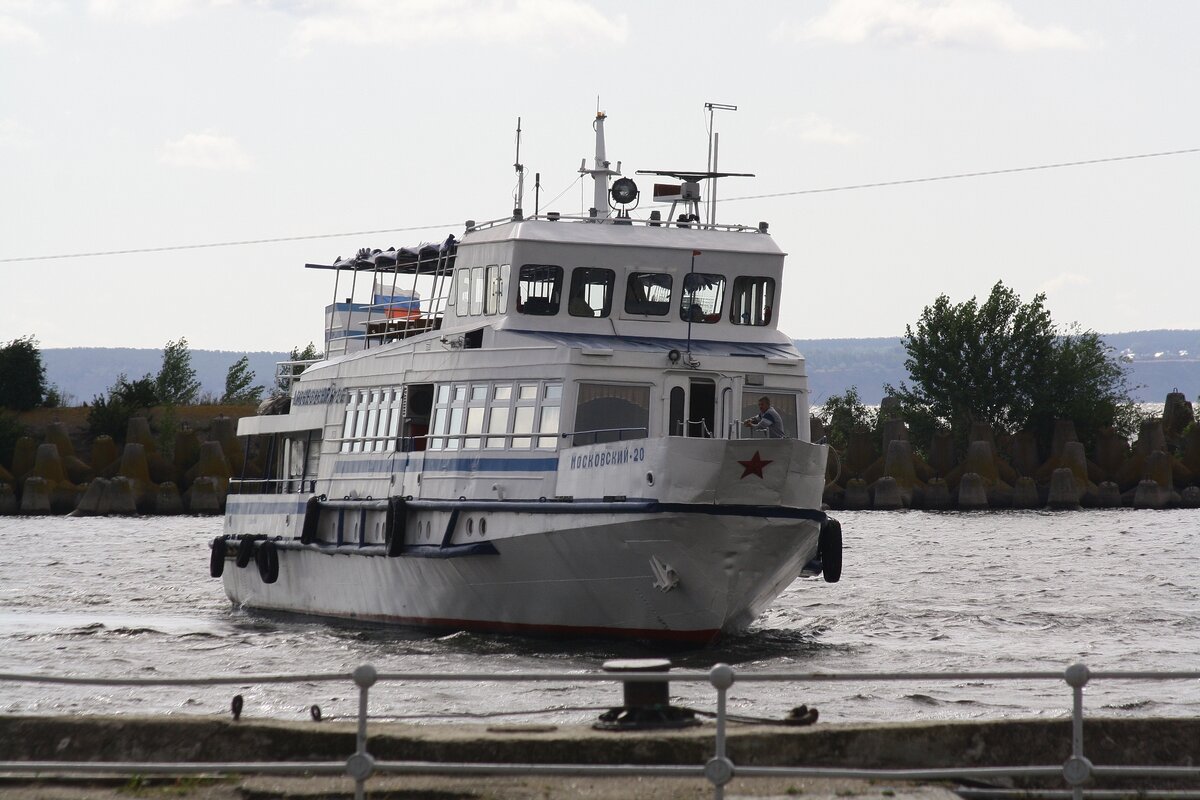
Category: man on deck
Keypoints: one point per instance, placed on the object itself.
(768, 420)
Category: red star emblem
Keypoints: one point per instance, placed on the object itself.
(754, 466)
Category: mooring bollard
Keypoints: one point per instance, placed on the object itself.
(647, 704)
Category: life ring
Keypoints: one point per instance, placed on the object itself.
(216, 560)
(829, 550)
(245, 551)
(267, 559)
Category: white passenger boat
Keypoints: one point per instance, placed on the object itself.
(538, 428)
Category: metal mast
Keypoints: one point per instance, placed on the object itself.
(600, 172)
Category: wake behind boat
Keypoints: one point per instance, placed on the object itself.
(540, 428)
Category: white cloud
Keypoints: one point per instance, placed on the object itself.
(1064, 280)
(14, 31)
(366, 22)
(959, 23)
(151, 12)
(14, 134)
(205, 151)
(814, 128)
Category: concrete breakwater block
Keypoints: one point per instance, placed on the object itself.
(972, 493)
(35, 496)
(204, 497)
(24, 454)
(1188, 498)
(168, 500)
(1149, 494)
(1064, 490)
(8, 499)
(90, 504)
(104, 453)
(936, 496)
(857, 496)
(120, 497)
(1108, 495)
(1025, 493)
(887, 495)
(48, 465)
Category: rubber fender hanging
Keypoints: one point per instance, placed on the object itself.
(829, 547)
(216, 560)
(245, 551)
(396, 523)
(312, 518)
(267, 559)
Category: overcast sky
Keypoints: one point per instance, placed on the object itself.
(171, 122)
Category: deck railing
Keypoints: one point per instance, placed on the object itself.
(360, 766)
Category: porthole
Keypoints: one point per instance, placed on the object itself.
(482, 527)
(470, 527)
(649, 478)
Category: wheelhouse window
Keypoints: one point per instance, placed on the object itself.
(539, 289)
(609, 413)
(648, 293)
(703, 293)
(476, 291)
(591, 292)
(753, 300)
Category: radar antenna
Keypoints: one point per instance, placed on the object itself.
(688, 192)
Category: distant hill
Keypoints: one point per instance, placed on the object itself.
(84, 372)
(1159, 361)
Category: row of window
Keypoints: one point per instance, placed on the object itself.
(523, 415)
(484, 291)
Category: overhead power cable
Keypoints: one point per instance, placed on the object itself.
(958, 175)
(229, 244)
(851, 187)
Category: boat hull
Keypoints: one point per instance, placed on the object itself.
(664, 575)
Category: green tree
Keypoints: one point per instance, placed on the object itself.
(22, 374)
(176, 382)
(843, 414)
(237, 383)
(109, 414)
(1004, 363)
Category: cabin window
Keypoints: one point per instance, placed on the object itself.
(491, 300)
(783, 402)
(475, 416)
(476, 291)
(702, 296)
(753, 300)
(591, 292)
(348, 428)
(539, 289)
(464, 292)
(503, 288)
(609, 413)
(373, 409)
(498, 415)
(648, 293)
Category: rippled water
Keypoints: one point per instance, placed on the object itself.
(920, 591)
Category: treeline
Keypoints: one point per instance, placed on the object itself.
(24, 387)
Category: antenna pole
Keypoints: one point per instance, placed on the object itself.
(711, 204)
(537, 193)
(520, 168)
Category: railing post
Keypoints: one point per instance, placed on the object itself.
(361, 765)
(1077, 768)
(719, 769)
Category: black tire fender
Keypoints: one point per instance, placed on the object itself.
(216, 560)
(829, 548)
(267, 559)
(395, 525)
(312, 518)
(245, 551)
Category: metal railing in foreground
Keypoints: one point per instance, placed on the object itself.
(718, 770)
